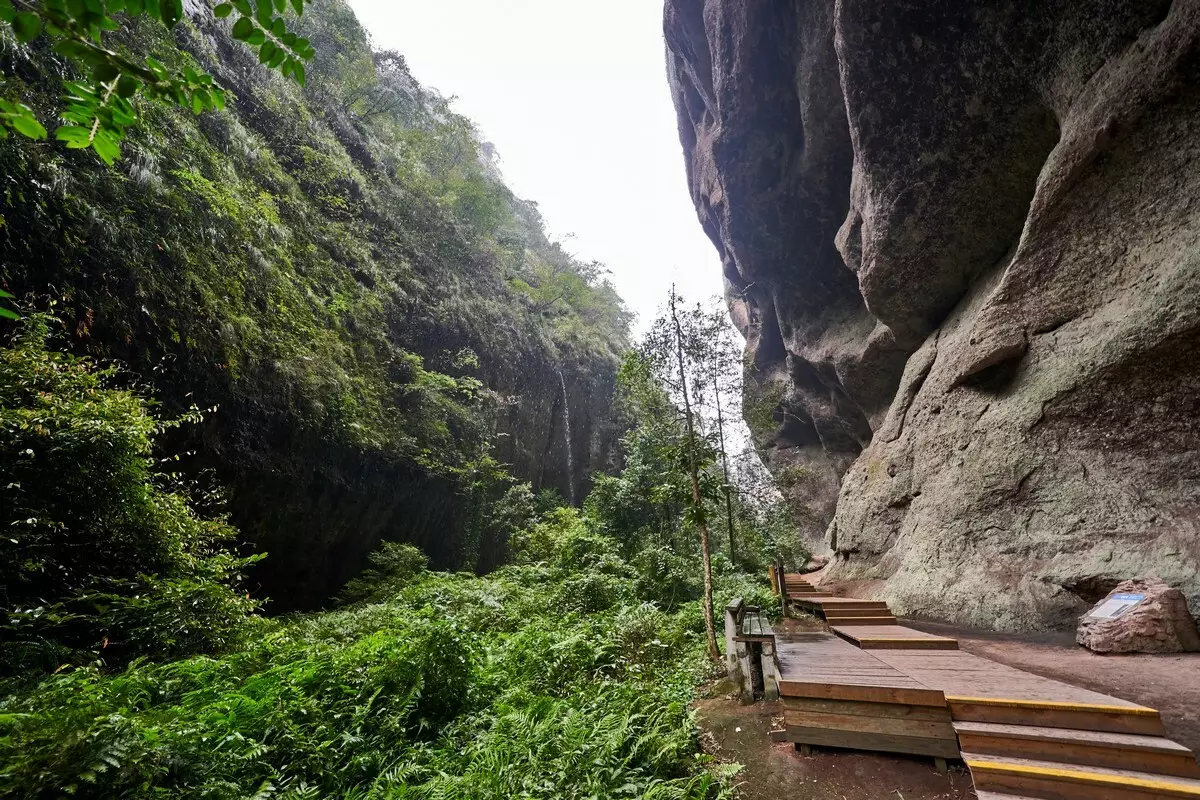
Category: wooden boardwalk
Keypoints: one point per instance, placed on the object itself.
(891, 688)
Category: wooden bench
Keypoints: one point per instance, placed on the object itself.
(750, 651)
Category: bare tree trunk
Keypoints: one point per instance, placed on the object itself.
(725, 472)
(710, 628)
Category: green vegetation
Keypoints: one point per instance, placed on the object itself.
(387, 347)
(566, 673)
(547, 679)
(102, 555)
(99, 109)
(340, 271)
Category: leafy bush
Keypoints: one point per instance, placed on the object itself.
(102, 557)
(454, 687)
(393, 566)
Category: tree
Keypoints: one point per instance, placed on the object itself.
(676, 348)
(722, 365)
(98, 110)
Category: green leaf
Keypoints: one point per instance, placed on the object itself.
(218, 98)
(198, 103)
(267, 52)
(172, 12)
(127, 86)
(27, 125)
(244, 8)
(8, 314)
(105, 145)
(280, 5)
(26, 26)
(6, 295)
(75, 136)
(242, 29)
(223, 10)
(256, 37)
(6, 10)
(298, 72)
(106, 72)
(135, 8)
(278, 27)
(298, 5)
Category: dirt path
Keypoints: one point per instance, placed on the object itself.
(1169, 683)
(734, 732)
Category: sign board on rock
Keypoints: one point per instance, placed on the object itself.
(1116, 605)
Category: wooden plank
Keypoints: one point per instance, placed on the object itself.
(1023, 774)
(1086, 748)
(1112, 722)
(854, 740)
(934, 713)
(905, 695)
(898, 726)
(882, 637)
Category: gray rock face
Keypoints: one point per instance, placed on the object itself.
(1160, 623)
(962, 239)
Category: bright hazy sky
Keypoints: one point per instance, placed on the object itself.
(574, 97)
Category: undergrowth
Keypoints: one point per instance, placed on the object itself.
(550, 678)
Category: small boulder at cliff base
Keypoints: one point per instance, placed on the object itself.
(1140, 616)
(814, 564)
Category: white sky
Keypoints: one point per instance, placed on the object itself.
(574, 96)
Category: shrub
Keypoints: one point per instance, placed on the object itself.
(103, 557)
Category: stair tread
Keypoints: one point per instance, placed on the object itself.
(1084, 774)
(1128, 741)
(1000, 796)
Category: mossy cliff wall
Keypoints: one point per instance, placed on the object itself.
(341, 272)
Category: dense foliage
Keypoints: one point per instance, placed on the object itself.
(98, 110)
(551, 678)
(565, 674)
(389, 349)
(102, 558)
(338, 269)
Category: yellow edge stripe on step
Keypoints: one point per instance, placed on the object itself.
(1053, 705)
(1082, 776)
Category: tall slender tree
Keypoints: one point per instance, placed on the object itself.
(699, 514)
(675, 349)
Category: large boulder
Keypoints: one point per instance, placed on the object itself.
(1140, 616)
(962, 240)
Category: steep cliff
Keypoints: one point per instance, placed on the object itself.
(341, 272)
(960, 238)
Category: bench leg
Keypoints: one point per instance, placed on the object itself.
(747, 682)
(940, 765)
(770, 673)
(805, 749)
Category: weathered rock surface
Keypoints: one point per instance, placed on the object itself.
(961, 239)
(1161, 623)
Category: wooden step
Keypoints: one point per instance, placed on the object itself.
(838, 619)
(839, 605)
(1057, 714)
(1054, 781)
(878, 611)
(898, 637)
(997, 796)
(1085, 747)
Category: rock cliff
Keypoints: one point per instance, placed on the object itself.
(340, 272)
(960, 238)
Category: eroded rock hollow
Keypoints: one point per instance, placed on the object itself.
(960, 238)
